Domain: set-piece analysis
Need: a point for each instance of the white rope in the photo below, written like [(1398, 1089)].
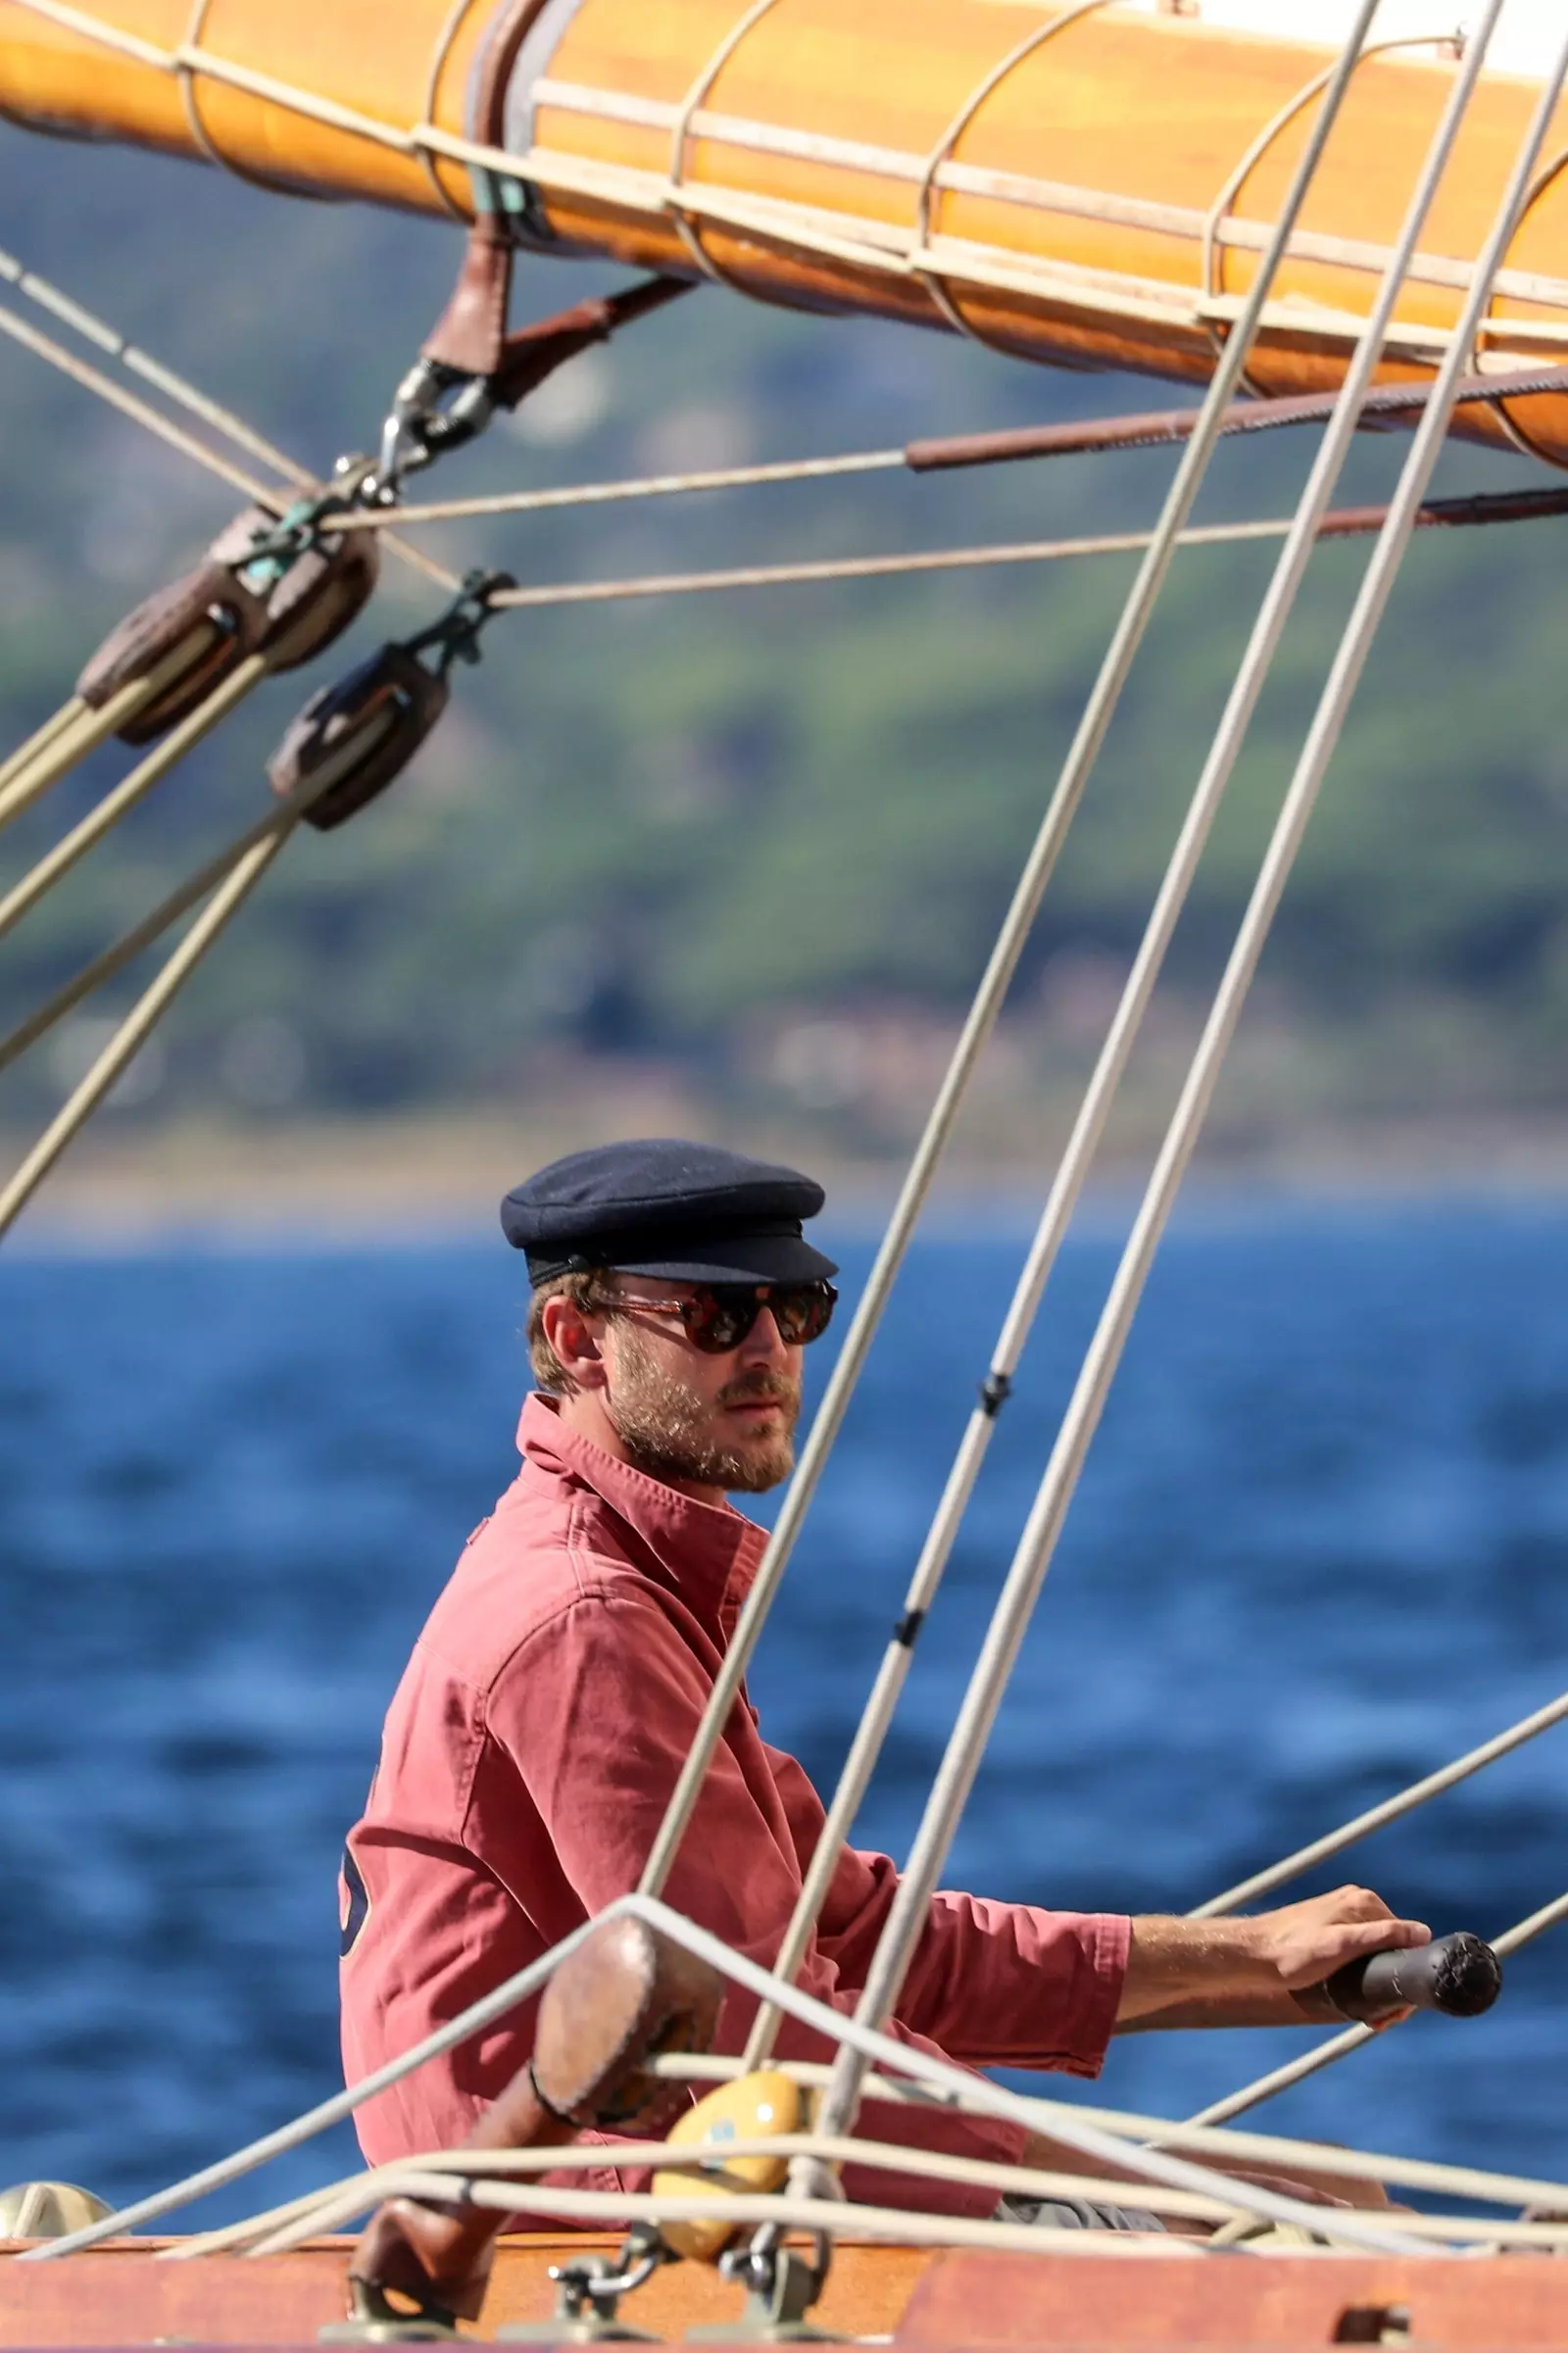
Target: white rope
[(153, 420), (1035, 1547), (117, 804), (138, 1025), (648, 486), (950, 2086), (1280, 2078), (871, 567), (303, 2218), (1392, 1809), (987, 1004)]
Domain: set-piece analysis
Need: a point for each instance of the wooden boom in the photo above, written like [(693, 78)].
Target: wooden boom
[(1087, 185)]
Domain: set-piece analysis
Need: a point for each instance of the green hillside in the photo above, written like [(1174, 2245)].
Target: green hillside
[(765, 839)]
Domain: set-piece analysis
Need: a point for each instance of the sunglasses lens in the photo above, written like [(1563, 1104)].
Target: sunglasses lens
[(720, 1320), (803, 1315)]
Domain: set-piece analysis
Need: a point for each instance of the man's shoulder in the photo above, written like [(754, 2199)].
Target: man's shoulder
[(539, 1560)]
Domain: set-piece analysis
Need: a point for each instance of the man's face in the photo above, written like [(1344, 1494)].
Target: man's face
[(726, 1421)]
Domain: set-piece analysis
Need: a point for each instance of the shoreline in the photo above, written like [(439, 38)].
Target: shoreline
[(427, 1178)]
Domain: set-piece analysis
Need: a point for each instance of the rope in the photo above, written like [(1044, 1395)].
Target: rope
[(1034, 40), (837, 2114), (153, 420), (94, 330), (1430, 2234), (168, 910), (319, 2211), (278, 2229), (1032, 1558), (1392, 1809), (1410, 2172), (679, 211), (1280, 2078), (984, 1009), (649, 487), (951, 2087), (73, 743), (135, 787), (39, 741), (87, 323), (138, 1025)]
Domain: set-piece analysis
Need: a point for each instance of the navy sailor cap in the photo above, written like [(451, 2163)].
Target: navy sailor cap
[(659, 1206)]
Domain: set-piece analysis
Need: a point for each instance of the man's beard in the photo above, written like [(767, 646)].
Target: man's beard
[(659, 1422)]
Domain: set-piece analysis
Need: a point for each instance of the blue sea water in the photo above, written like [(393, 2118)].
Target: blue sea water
[(1321, 1547)]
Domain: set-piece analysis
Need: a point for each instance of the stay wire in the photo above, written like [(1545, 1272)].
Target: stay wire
[(117, 804), (153, 420), (995, 982), (1377, 1817), (1355, 2038), (1032, 1558), (1200, 448), (1110, 1070)]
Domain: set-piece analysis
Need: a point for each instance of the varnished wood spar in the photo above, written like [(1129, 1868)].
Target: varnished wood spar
[(114, 2296), (1068, 220)]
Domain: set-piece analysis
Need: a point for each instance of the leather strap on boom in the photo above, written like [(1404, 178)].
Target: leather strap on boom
[(471, 335)]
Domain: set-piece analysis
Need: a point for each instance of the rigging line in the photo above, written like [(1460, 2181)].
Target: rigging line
[(1036, 1546), (276, 2230), (885, 1980), (92, 727), (994, 983), (1412, 2172), (140, 1024), (44, 347), (937, 2081), (95, 330), (1151, 430), (1342, 523), (1392, 1809), (1347, 2164), (135, 787), (419, 2179), (1280, 2078), (39, 741), (647, 486), (168, 910)]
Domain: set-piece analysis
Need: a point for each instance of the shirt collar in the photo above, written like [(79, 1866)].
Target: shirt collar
[(708, 1552)]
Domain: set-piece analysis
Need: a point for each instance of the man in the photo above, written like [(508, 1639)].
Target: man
[(540, 1725)]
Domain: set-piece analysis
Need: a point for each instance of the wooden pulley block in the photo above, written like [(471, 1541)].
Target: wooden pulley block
[(354, 738), (315, 597), (210, 615), (626, 1994), (755, 2107)]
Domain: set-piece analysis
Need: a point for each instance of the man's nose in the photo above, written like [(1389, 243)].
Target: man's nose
[(764, 1343)]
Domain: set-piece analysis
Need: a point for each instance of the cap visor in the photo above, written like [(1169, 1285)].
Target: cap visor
[(737, 1258)]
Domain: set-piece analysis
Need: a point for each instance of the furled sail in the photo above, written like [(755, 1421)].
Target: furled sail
[(1086, 184)]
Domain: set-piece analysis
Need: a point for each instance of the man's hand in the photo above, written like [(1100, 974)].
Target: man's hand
[(1249, 1972)]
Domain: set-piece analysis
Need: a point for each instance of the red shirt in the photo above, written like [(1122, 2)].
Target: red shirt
[(527, 1757)]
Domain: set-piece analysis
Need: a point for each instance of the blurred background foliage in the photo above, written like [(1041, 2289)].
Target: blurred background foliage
[(757, 844)]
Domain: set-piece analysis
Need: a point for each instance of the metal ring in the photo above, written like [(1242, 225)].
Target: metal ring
[(1213, 247), (186, 72), (442, 52), (686, 228), (1521, 437), (929, 280)]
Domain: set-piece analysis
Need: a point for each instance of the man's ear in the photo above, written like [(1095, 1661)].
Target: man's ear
[(570, 1335)]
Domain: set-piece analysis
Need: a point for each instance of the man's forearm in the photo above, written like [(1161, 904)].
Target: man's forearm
[(1260, 1971)]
